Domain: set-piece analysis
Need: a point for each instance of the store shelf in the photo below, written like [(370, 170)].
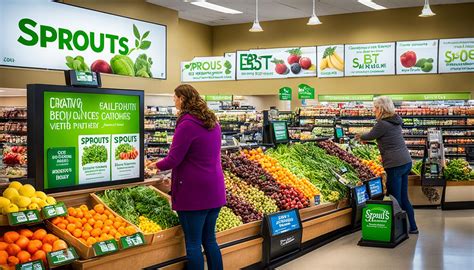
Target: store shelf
[(415, 146), (455, 155), (317, 117), (459, 136), (158, 144), (156, 155), (438, 116), (415, 136), (3, 119), (358, 125), (159, 129), (14, 132), (440, 126), (459, 144), (356, 117), (160, 117)]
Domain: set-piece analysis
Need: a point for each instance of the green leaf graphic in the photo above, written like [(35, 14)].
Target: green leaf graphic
[(145, 45), (135, 32), (137, 43), (145, 35)]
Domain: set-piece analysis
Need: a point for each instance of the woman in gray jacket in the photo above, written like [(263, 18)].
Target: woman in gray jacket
[(395, 156)]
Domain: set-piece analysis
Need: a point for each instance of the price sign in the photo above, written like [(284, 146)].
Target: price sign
[(51, 211), (133, 240), (317, 199), (24, 217), (62, 257), (34, 265), (456, 55), (105, 247)]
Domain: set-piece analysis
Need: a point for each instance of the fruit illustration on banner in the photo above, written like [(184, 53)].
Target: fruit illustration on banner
[(280, 66), (426, 64), (305, 62), (295, 56), (101, 66), (331, 59), (408, 59)]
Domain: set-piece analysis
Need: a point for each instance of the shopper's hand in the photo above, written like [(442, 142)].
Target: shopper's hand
[(152, 166)]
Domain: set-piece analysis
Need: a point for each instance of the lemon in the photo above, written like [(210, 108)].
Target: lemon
[(42, 203), (10, 193), (22, 201), (4, 202), (27, 191), (34, 206), (11, 208), (50, 200), (22, 208), (16, 185), (41, 195)]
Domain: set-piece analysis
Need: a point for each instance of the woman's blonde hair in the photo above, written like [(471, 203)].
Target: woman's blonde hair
[(385, 105)]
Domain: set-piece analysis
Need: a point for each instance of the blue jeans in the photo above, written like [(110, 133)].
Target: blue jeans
[(199, 229), (397, 186)]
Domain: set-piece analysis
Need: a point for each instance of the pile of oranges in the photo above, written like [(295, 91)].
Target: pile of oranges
[(25, 245), (374, 167), (282, 175), (95, 225)]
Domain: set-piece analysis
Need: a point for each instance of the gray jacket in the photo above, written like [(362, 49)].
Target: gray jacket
[(388, 133)]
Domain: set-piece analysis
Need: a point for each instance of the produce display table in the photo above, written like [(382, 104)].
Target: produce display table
[(240, 246), (458, 195), (420, 197)]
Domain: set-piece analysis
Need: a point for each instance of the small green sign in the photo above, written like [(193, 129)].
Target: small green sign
[(61, 166), (62, 257), (34, 265), (377, 222), (57, 210), (305, 91), (105, 247), (133, 240), (431, 97), (336, 98), (280, 129), (285, 93), (218, 97), (24, 217)]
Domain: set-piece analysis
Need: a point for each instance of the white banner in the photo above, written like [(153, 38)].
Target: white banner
[(276, 63), (456, 55), (215, 68), (370, 59), (331, 61), (45, 34), (417, 57)]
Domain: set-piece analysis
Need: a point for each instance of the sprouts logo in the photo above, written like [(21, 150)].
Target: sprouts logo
[(209, 65), (377, 215)]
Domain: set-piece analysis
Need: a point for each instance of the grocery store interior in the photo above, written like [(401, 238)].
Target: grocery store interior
[(87, 105)]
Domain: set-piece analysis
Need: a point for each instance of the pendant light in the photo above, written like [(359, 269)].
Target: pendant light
[(314, 20), (256, 24), (426, 12)]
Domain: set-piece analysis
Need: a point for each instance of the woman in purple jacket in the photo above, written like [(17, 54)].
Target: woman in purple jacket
[(198, 188)]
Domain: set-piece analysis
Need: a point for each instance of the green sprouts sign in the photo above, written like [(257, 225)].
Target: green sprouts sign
[(218, 68), (285, 93), (377, 222), (305, 91), (51, 35)]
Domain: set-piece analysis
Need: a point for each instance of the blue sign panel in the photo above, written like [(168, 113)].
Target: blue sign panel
[(375, 187), (284, 222), (361, 194)]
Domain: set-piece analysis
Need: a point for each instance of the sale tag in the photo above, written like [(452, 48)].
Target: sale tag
[(317, 199), (24, 217), (105, 247), (34, 265), (62, 257), (133, 240), (57, 210)]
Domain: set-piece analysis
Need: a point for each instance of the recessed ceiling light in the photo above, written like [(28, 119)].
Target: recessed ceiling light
[(371, 4), (215, 7)]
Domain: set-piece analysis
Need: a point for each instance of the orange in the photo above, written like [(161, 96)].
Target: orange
[(87, 215), (118, 235), (71, 219), (71, 227), (12, 261), (107, 212), (62, 226), (111, 217), (78, 224), (65, 222), (106, 229), (103, 217), (79, 214), (3, 245), (98, 224), (56, 220), (84, 220), (59, 244), (96, 232), (88, 227), (92, 212), (26, 233), (84, 207), (121, 230), (39, 255), (23, 256), (97, 216), (71, 211), (13, 249), (11, 237), (3, 257), (22, 242), (85, 234), (108, 222), (34, 245), (112, 231), (50, 238), (77, 233), (91, 221), (99, 208), (111, 236), (47, 247), (117, 224), (129, 230), (90, 241)]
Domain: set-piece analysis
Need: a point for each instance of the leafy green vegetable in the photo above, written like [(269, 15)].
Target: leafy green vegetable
[(77, 63), (123, 148), (416, 169), (133, 202), (143, 66), (366, 151), (122, 65), (329, 51), (94, 154), (140, 42), (458, 170)]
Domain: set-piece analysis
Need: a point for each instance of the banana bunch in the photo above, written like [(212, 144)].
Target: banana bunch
[(331, 60)]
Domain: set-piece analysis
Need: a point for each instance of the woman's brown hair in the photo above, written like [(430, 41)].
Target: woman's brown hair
[(195, 105)]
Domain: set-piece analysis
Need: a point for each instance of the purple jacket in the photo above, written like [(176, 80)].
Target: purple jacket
[(195, 158)]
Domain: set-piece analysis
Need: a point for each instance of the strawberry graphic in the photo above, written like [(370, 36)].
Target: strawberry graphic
[(295, 55), (280, 66)]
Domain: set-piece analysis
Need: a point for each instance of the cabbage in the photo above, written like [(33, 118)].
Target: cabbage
[(122, 65)]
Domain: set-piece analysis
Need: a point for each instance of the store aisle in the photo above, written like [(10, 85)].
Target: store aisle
[(446, 241)]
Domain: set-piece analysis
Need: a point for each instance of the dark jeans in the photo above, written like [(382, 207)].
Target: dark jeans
[(397, 186), (199, 229)]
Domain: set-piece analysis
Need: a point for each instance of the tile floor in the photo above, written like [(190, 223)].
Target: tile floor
[(446, 241)]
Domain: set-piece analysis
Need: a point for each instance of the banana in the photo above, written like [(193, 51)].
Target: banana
[(338, 57), (324, 64), (337, 65), (330, 64)]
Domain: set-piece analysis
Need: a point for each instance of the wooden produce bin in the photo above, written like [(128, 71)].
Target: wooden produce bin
[(319, 226), (459, 195), (417, 196), (83, 250), (150, 237)]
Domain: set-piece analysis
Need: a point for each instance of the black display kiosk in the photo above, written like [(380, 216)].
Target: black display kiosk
[(359, 196)]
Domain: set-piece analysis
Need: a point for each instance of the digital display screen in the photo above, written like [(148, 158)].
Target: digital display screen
[(280, 131), (284, 222), (339, 132), (375, 187), (361, 194)]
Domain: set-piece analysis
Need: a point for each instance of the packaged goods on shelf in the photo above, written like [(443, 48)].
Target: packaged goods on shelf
[(459, 141), (12, 139), (319, 111), (357, 130), (368, 122), (323, 131), (13, 113), (415, 141), (14, 155), (436, 110), (357, 112), (416, 153)]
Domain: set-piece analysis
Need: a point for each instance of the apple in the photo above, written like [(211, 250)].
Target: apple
[(101, 66), (408, 59)]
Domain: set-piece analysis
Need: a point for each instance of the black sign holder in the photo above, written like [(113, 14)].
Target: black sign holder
[(375, 196), (356, 215), (278, 246)]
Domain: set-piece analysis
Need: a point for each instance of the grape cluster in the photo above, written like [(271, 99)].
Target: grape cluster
[(242, 209), (254, 196), (227, 220)]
